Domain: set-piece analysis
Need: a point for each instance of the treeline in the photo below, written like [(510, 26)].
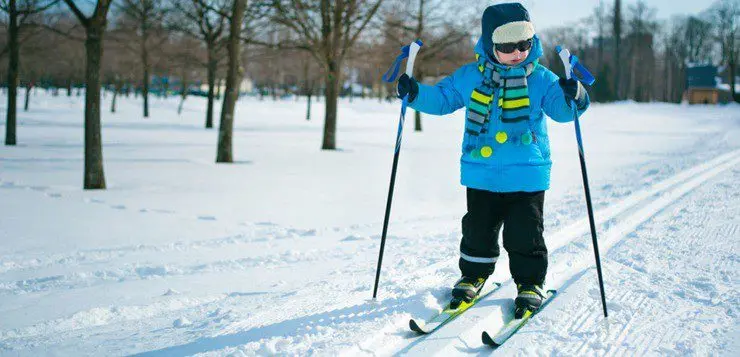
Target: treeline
[(635, 56), (332, 48)]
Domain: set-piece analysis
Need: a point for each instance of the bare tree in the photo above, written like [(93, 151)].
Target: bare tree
[(641, 29), (233, 79), (599, 22), (601, 66), (186, 58), (308, 83), (726, 15), (143, 19), (698, 39), (327, 29), (569, 36), (62, 35), (432, 23), (95, 28), (674, 57), (19, 12), (204, 20), (617, 35)]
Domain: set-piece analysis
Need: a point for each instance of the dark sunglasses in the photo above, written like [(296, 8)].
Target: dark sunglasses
[(510, 47)]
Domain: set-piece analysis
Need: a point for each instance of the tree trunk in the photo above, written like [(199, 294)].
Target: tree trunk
[(29, 86), (179, 106), (184, 92), (226, 129), (331, 94), (617, 37), (10, 126), (113, 101), (165, 85), (680, 83), (145, 62), (212, 66), (145, 93), (731, 63), (666, 77), (308, 110), (632, 85), (94, 176), (69, 88)]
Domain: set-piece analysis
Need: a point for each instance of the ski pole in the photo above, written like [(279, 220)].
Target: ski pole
[(409, 51), (571, 62)]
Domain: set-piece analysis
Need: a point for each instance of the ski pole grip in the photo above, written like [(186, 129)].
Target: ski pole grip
[(565, 57), (414, 48), (571, 62)]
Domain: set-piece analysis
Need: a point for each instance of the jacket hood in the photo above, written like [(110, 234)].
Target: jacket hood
[(502, 15)]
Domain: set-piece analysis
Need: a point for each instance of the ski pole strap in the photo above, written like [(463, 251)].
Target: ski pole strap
[(574, 68), (585, 75), (392, 73)]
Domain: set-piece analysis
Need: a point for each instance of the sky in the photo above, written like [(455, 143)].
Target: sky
[(551, 13)]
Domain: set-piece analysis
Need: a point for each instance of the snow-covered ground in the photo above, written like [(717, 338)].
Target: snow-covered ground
[(276, 253)]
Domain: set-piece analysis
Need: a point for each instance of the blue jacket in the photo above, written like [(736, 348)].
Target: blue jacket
[(513, 166)]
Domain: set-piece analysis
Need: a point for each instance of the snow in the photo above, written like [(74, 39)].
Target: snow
[(276, 253)]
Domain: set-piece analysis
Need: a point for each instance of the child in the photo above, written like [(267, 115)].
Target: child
[(505, 162)]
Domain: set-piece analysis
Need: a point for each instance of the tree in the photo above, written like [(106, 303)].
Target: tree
[(617, 34), (327, 29), (185, 59), (433, 24), (599, 21), (18, 17), (65, 38), (641, 29), (145, 18), (233, 79), (602, 89), (308, 83), (674, 59), (726, 15), (204, 20), (95, 29)]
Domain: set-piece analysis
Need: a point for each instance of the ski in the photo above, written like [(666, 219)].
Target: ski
[(515, 324), (451, 311)]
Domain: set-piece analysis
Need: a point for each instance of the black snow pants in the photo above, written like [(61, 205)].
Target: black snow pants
[(520, 213)]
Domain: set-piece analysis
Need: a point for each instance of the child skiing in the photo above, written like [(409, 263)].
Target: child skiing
[(505, 162)]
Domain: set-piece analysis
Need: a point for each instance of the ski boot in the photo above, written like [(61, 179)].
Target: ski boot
[(529, 297), (465, 290)]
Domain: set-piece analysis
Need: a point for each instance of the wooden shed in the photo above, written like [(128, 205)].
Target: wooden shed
[(701, 85)]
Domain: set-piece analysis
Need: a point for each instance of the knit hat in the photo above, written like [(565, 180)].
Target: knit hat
[(505, 23)]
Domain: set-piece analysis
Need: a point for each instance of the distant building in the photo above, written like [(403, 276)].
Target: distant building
[(246, 86), (701, 85)]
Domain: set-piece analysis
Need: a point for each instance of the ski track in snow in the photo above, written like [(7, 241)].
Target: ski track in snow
[(389, 316), (568, 263), (656, 305)]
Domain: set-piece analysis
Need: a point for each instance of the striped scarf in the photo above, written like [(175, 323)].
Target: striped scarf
[(513, 102)]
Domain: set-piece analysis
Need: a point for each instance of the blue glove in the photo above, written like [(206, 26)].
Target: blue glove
[(573, 91), (407, 85)]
